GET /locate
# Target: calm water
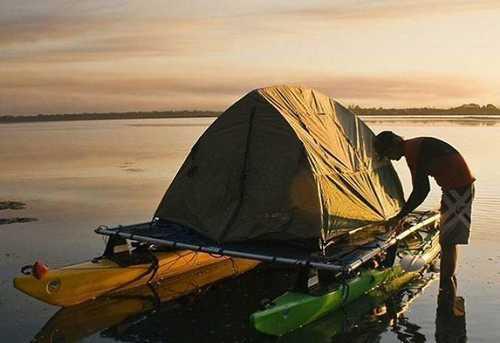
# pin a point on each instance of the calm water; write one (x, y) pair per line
(74, 176)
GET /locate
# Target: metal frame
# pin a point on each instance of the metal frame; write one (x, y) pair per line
(335, 267)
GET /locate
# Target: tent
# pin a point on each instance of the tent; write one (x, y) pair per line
(282, 163)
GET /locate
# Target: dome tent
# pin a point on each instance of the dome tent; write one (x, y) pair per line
(282, 163)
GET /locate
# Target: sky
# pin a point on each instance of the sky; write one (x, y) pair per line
(67, 56)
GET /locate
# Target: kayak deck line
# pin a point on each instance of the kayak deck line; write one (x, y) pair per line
(180, 241)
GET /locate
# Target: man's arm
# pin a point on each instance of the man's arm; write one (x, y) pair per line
(421, 188)
(420, 180)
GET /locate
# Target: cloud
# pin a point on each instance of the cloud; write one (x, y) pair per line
(74, 21)
(32, 29)
(386, 10)
(108, 35)
(397, 88)
(113, 92)
(64, 40)
(68, 60)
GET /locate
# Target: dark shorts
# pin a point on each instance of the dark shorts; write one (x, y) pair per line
(456, 210)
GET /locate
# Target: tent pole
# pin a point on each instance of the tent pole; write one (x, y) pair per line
(243, 175)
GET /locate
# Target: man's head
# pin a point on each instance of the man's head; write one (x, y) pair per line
(390, 145)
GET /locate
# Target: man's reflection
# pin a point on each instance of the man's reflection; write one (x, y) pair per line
(450, 315)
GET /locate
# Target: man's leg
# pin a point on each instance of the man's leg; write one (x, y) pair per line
(447, 279)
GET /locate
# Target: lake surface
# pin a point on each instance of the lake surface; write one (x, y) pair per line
(74, 176)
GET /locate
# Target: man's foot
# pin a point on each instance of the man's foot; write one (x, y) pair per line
(459, 307)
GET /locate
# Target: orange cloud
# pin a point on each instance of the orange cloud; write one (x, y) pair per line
(380, 10)
(113, 92)
(100, 39)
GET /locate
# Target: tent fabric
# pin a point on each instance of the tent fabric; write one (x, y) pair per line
(282, 163)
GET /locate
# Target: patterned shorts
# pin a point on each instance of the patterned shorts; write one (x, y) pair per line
(456, 208)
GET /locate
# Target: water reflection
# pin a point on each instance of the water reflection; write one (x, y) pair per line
(221, 312)
(450, 325)
(71, 176)
(216, 314)
(366, 319)
(450, 313)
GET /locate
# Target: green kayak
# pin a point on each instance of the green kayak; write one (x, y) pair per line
(293, 310)
(362, 313)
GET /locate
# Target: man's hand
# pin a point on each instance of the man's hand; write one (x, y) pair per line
(393, 223)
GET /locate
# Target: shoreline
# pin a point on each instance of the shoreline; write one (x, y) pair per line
(195, 115)
(43, 118)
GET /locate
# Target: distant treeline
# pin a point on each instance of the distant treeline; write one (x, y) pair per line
(468, 109)
(107, 116)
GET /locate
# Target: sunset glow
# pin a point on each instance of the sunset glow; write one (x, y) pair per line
(98, 56)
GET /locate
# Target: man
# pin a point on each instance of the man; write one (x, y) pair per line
(426, 157)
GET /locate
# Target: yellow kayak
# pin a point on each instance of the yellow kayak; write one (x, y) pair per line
(75, 323)
(78, 283)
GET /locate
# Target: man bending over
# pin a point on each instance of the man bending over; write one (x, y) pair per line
(426, 157)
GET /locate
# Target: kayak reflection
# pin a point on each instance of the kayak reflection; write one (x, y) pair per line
(220, 313)
(373, 314)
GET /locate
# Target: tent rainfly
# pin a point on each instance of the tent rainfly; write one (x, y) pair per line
(282, 163)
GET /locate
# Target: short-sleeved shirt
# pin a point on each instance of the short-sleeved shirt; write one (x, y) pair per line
(439, 160)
